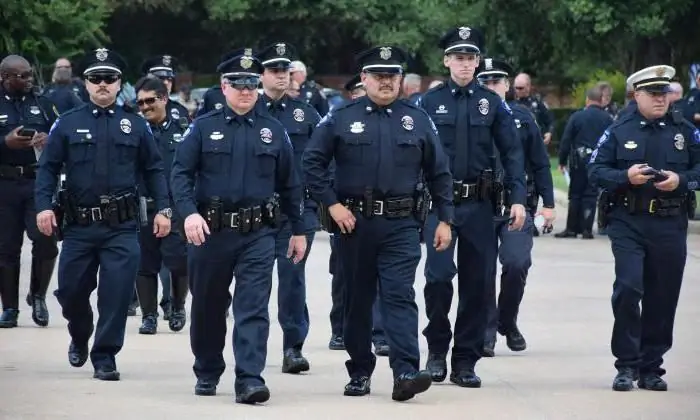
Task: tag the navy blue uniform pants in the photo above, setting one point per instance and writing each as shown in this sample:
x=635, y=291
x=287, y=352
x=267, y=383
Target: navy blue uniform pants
x=381, y=255
x=650, y=254
x=115, y=252
x=583, y=197
x=164, y=276
x=156, y=253
x=211, y=268
x=474, y=236
x=292, y=312
x=514, y=253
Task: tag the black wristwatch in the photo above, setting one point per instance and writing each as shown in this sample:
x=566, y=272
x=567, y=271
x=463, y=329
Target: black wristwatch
x=167, y=212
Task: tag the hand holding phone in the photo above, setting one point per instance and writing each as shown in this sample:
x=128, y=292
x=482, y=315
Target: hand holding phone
x=658, y=175
x=27, y=132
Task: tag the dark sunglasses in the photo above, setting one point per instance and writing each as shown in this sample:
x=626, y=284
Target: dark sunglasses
x=243, y=83
x=24, y=75
x=109, y=79
x=519, y=87
x=165, y=78
x=147, y=101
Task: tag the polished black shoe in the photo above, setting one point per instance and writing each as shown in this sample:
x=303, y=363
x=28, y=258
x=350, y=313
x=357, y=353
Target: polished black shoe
x=381, y=348
x=177, y=320
x=167, y=310
x=252, y=394
x=465, y=378
x=294, y=362
x=652, y=382
x=106, y=374
x=8, y=318
x=514, y=339
x=408, y=385
x=488, y=350
x=336, y=343
x=565, y=234
x=205, y=388
x=358, y=387
x=587, y=235
x=77, y=355
x=624, y=380
x=40, y=313
x=437, y=366
x=149, y=324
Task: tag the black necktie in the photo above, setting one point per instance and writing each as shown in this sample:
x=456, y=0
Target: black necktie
x=386, y=152
x=461, y=134
x=103, y=142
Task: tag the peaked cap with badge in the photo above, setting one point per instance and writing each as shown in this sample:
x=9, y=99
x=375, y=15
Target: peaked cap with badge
x=160, y=66
x=493, y=69
x=240, y=63
x=354, y=83
x=102, y=60
x=278, y=55
x=463, y=40
x=652, y=79
x=383, y=59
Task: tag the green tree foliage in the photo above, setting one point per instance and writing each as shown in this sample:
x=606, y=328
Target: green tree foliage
x=617, y=80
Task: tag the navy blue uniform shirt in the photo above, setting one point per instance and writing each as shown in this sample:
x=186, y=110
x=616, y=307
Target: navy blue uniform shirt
x=105, y=152
x=243, y=160
x=176, y=110
x=470, y=119
x=64, y=96
x=382, y=148
x=213, y=99
x=168, y=136
x=542, y=114
x=583, y=129
x=309, y=92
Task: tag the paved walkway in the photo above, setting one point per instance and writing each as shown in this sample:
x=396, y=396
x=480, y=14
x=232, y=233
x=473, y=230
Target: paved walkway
x=566, y=372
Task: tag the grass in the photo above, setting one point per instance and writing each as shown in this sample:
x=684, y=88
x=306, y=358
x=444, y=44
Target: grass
x=557, y=177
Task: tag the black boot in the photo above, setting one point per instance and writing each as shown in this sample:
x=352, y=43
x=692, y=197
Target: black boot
x=9, y=292
x=147, y=290
x=572, y=221
x=42, y=270
x=178, y=315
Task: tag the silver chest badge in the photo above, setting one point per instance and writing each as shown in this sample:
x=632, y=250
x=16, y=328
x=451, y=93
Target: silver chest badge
x=175, y=113
x=177, y=137
x=34, y=110
x=125, y=126
x=266, y=135
x=357, y=127
x=483, y=106
x=216, y=135
x=298, y=115
x=218, y=106
x=679, y=141
x=407, y=123
x=309, y=94
x=517, y=123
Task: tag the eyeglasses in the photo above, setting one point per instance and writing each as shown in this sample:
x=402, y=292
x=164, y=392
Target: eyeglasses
x=165, y=78
x=109, y=79
x=25, y=75
x=250, y=83
x=147, y=101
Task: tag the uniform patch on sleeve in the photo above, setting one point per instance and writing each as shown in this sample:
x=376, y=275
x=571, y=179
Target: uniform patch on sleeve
x=506, y=107
x=188, y=131
x=53, y=126
x=696, y=136
x=325, y=119
x=432, y=125
x=287, y=139
x=603, y=139
x=692, y=185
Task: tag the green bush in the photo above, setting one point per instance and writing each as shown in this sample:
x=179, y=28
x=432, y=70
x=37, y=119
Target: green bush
x=617, y=80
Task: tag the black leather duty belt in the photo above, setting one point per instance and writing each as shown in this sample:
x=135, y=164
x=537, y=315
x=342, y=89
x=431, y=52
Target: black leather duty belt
x=390, y=208
x=11, y=172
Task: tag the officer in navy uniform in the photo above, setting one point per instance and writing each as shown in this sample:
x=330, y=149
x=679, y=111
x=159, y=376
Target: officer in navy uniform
x=355, y=88
x=647, y=224
x=522, y=85
x=21, y=111
x=515, y=251
x=162, y=67
x=470, y=119
x=171, y=250
x=381, y=146
x=104, y=150
x=225, y=177
x=299, y=119
x=690, y=105
x=308, y=89
x=577, y=143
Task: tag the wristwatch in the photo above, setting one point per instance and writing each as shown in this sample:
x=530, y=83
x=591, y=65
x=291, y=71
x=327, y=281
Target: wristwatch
x=167, y=212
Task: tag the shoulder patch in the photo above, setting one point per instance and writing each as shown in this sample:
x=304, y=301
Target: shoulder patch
x=53, y=126
x=287, y=140
x=506, y=107
x=325, y=119
x=603, y=138
x=696, y=136
x=188, y=131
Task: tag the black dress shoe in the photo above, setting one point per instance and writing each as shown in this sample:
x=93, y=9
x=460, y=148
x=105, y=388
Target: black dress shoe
x=336, y=343
x=437, y=366
x=167, y=311
x=77, y=355
x=149, y=324
x=294, y=362
x=106, y=373
x=652, y=382
x=565, y=234
x=252, y=394
x=465, y=378
x=40, y=313
x=624, y=380
x=8, y=318
x=205, y=387
x=177, y=320
x=488, y=350
x=408, y=385
x=358, y=387
x=132, y=309
x=514, y=339
x=587, y=235
x=381, y=348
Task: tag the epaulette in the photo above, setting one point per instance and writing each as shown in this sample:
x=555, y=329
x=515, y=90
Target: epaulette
x=311, y=84
x=298, y=103
x=74, y=110
x=487, y=89
x=210, y=114
x=347, y=104
x=409, y=103
x=620, y=121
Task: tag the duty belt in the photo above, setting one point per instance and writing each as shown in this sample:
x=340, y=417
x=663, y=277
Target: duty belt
x=16, y=172
x=462, y=190
x=390, y=208
x=242, y=220
x=114, y=211
x=662, y=207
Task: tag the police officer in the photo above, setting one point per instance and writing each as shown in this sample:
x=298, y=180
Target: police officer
x=224, y=179
x=152, y=100
x=63, y=91
x=308, y=89
x=470, y=119
x=380, y=145
x=161, y=66
x=523, y=88
x=105, y=150
x=355, y=88
x=577, y=143
x=516, y=245
x=25, y=119
x=299, y=119
x=648, y=163
x=691, y=104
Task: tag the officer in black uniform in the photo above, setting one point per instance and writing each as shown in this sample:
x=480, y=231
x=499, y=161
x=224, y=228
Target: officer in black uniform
x=63, y=91
x=25, y=119
x=225, y=178
x=308, y=89
x=523, y=85
x=515, y=250
x=582, y=131
x=691, y=104
x=162, y=67
x=104, y=150
x=171, y=251
x=647, y=163
x=470, y=119
x=381, y=146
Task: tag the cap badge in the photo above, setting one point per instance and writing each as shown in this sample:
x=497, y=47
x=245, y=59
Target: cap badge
x=298, y=115
x=407, y=123
x=679, y=141
x=167, y=60
x=385, y=53
x=281, y=49
x=488, y=63
x=357, y=127
x=464, y=32
x=101, y=54
x=483, y=106
x=246, y=62
x=266, y=135
x=125, y=126
x=660, y=72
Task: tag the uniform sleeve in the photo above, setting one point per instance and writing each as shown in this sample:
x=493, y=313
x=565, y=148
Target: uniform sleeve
x=436, y=170
x=511, y=152
x=539, y=164
x=320, y=103
x=547, y=118
x=690, y=180
x=151, y=167
x=567, y=138
x=183, y=171
x=49, y=168
x=601, y=168
x=288, y=186
x=316, y=160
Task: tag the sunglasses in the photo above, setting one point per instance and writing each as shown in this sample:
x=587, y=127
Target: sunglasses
x=519, y=87
x=249, y=83
x=165, y=78
x=147, y=101
x=24, y=75
x=109, y=79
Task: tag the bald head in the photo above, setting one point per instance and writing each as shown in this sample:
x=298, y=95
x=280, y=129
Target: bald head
x=522, y=85
x=16, y=74
x=675, y=93
x=11, y=63
x=411, y=84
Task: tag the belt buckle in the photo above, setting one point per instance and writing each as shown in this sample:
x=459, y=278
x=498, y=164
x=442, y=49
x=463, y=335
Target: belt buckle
x=379, y=211
x=465, y=193
x=652, y=206
x=21, y=170
x=96, y=214
x=233, y=221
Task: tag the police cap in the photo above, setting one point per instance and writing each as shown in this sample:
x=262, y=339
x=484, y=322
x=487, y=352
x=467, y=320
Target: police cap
x=241, y=63
x=652, y=79
x=354, y=83
x=277, y=56
x=384, y=59
x=463, y=40
x=102, y=60
x=493, y=69
x=160, y=66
